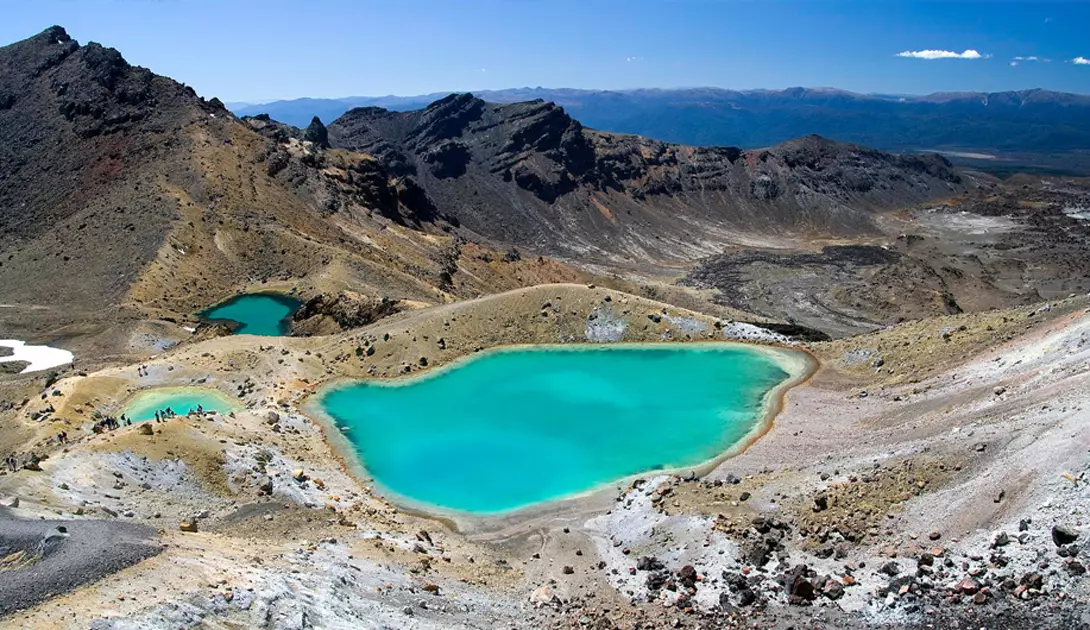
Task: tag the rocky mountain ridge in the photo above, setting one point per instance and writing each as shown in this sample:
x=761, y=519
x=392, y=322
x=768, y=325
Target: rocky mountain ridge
x=530, y=174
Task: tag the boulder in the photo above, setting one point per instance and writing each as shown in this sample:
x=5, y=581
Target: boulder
x=188, y=525
x=1063, y=534
x=687, y=576
x=833, y=589
x=544, y=596
x=968, y=586
x=800, y=591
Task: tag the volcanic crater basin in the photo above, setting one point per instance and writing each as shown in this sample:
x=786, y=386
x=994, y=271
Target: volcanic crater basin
x=517, y=427
x=264, y=314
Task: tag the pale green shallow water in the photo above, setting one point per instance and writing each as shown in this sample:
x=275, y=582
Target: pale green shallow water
x=514, y=428
x=267, y=314
x=143, y=405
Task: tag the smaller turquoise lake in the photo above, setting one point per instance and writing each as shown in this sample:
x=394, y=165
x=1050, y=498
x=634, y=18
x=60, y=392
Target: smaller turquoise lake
x=512, y=428
x=267, y=314
x=143, y=405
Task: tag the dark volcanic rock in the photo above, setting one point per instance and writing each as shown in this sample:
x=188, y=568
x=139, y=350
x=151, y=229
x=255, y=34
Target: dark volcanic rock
x=80, y=131
x=529, y=174
x=331, y=313
x=316, y=133
x=800, y=591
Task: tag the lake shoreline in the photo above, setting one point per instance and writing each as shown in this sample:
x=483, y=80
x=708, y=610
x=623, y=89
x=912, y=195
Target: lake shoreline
x=797, y=363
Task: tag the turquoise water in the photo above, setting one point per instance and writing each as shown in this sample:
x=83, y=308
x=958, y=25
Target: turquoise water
x=267, y=314
x=513, y=428
x=143, y=405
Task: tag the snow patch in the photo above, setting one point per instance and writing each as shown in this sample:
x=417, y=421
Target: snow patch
x=39, y=357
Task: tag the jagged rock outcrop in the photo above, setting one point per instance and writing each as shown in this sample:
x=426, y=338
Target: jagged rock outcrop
x=328, y=314
x=528, y=173
x=316, y=133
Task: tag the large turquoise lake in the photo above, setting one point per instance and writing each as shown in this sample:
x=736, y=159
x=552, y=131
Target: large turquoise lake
x=267, y=314
x=516, y=427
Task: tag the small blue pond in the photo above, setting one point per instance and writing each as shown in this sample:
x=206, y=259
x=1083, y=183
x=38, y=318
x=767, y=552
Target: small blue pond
x=267, y=314
x=517, y=427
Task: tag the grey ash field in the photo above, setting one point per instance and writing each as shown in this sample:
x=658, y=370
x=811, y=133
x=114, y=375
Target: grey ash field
x=930, y=474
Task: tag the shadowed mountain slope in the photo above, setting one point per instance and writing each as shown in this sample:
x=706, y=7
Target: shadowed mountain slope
x=530, y=174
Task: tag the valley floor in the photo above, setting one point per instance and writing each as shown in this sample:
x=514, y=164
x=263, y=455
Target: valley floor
x=924, y=477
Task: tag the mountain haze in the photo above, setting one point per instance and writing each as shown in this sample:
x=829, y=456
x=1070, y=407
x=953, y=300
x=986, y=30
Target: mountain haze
x=1027, y=120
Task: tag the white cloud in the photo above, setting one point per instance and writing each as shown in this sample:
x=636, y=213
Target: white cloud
x=1018, y=60
x=631, y=59
x=941, y=54
x=1081, y=61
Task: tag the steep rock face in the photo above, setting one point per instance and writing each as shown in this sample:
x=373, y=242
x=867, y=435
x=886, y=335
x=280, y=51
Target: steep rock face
x=528, y=173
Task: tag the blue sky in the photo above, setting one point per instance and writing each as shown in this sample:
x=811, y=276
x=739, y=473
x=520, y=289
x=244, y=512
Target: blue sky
x=243, y=50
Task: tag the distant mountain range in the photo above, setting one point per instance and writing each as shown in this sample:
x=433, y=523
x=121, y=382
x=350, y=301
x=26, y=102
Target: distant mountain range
x=1025, y=121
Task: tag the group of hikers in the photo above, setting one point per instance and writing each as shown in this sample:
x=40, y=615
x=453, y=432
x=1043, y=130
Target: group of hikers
x=162, y=414
x=29, y=461
x=109, y=423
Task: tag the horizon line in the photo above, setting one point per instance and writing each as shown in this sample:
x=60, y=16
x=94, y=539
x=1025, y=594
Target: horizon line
x=652, y=89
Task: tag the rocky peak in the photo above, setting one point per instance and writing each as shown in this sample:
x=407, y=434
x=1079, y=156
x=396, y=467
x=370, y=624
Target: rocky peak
x=316, y=133
x=31, y=57
x=446, y=119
